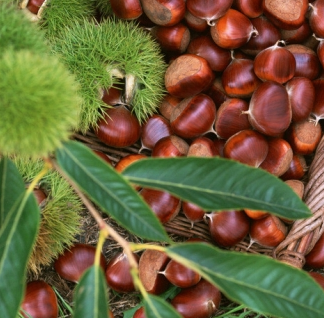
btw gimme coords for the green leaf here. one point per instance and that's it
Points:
(18, 232)
(218, 184)
(90, 296)
(156, 307)
(109, 190)
(256, 281)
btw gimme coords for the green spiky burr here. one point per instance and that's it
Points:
(102, 54)
(60, 214)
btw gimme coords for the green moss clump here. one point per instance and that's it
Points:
(60, 216)
(94, 52)
(39, 103)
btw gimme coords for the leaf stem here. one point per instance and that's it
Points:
(103, 226)
(39, 176)
(139, 246)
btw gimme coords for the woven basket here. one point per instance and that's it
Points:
(302, 236)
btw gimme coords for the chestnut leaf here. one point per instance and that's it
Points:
(256, 281)
(109, 190)
(90, 297)
(156, 307)
(218, 184)
(20, 218)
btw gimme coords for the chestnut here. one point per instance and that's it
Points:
(127, 9)
(303, 137)
(188, 75)
(202, 147)
(154, 129)
(298, 186)
(239, 79)
(279, 157)
(173, 38)
(208, 10)
(301, 93)
(199, 301)
(268, 35)
(319, 278)
(118, 275)
(170, 146)
(230, 118)
(194, 23)
(316, 17)
(40, 301)
(268, 231)
(127, 160)
(118, 127)
(72, 263)
(228, 228)
(288, 15)
(34, 5)
(315, 258)
(140, 313)
(297, 168)
(180, 275)
(152, 262)
(216, 92)
(238, 147)
(232, 30)
(192, 211)
(165, 206)
(275, 63)
(40, 196)
(250, 8)
(269, 109)
(167, 104)
(255, 214)
(193, 116)
(204, 46)
(298, 35)
(113, 96)
(318, 107)
(163, 12)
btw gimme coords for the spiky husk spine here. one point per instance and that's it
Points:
(60, 216)
(93, 52)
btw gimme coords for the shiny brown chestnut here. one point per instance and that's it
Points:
(194, 23)
(173, 38)
(297, 36)
(193, 212)
(239, 79)
(140, 313)
(34, 5)
(74, 261)
(127, 160)
(118, 274)
(238, 147)
(318, 107)
(40, 196)
(232, 30)
(298, 186)
(163, 12)
(230, 118)
(113, 95)
(188, 75)
(126, 9)
(208, 10)
(150, 264)
(269, 109)
(275, 63)
(193, 116)
(199, 301)
(268, 231)
(250, 8)
(180, 275)
(315, 17)
(315, 258)
(267, 36)
(304, 136)
(204, 46)
(297, 168)
(301, 93)
(165, 206)
(320, 52)
(219, 144)
(216, 92)
(154, 129)
(307, 62)
(167, 104)
(319, 278)
(279, 157)
(170, 146)
(255, 214)
(288, 15)
(40, 301)
(118, 127)
(227, 228)
(202, 147)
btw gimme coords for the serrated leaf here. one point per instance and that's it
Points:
(90, 295)
(109, 190)
(18, 232)
(218, 184)
(256, 281)
(156, 307)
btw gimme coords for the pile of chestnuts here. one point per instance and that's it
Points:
(245, 82)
